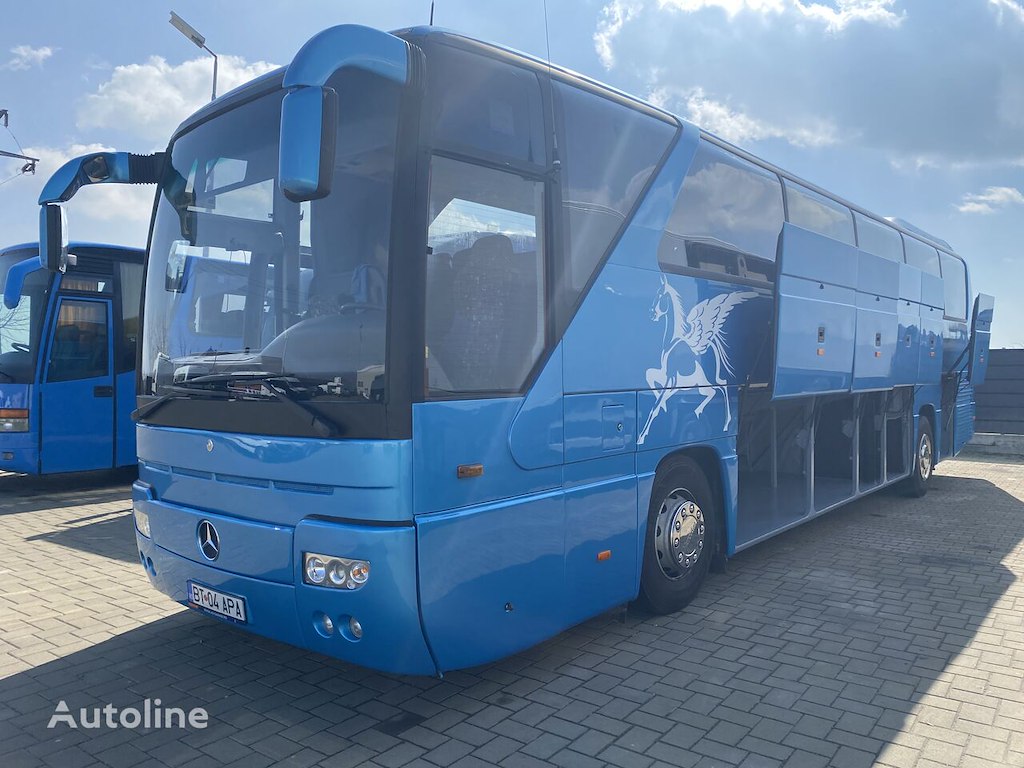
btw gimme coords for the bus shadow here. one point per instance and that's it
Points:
(108, 534)
(28, 493)
(838, 635)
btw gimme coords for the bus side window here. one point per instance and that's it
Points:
(485, 286)
(79, 347)
(130, 276)
(878, 238)
(610, 152)
(818, 213)
(726, 220)
(922, 256)
(954, 280)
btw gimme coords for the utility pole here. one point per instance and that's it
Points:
(30, 164)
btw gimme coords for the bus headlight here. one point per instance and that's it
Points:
(13, 420)
(141, 520)
(335, 572)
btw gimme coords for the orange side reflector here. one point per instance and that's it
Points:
(13, 413)
(469, 470)
(878, 354)
(821, 352)
(605, 555)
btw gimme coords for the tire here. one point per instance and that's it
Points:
(923, 460)
(674, 568)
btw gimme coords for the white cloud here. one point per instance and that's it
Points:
(991, 200)
(845, 12)
(613, 17)
(737, 126)
(1010, 8)
(151, 99)
(835, 17)
(26, 57)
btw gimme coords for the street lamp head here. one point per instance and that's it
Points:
(187, 30)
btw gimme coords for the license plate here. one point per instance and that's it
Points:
(231, 607)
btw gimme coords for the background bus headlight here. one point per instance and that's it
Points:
(141, 520)
(13, 420)
(334, 572)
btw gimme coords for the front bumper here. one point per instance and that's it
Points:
(23, 449)
(279, 605)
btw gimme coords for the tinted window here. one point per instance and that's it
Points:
(488, 106)
(79, 346)
(485, 278)
(130, 276)
(610, 152)
(954, 280)
(878, 238)
(727, 218)
(921, 256)
(818, 213)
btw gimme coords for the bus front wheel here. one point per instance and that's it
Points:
(681, 538)
(923, 460)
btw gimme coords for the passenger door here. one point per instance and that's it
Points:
(77, 393)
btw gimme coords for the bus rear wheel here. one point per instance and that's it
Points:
(681, 538)
(923, 460)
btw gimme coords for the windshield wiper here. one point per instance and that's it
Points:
(322, 425)
(178, 392)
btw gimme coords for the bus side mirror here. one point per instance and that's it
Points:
(309, 127)
(309, 110)
(53, 239)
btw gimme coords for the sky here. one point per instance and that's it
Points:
(909, 108)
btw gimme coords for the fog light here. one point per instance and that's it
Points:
(355, 628)
(336, 572)
(316, 569)
(141, 520)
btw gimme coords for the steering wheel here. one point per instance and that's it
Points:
(17, 346)
(356, 306)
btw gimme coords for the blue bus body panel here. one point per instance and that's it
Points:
(77, 431)
(816, 315)
(981, 334)
(278, 480)
(124, 427)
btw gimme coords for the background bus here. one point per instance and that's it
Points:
(67, 359)
(612, 351)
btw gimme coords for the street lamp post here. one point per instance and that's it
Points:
(193, 34)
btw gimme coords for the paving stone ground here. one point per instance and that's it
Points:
(890, 632)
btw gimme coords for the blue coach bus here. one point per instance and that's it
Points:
(531, 349)
(67, 359)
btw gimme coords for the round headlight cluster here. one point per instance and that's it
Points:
(336, 572)
(316, 570)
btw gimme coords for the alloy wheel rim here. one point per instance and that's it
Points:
(679, 534)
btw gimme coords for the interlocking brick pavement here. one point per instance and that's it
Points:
(890, 632)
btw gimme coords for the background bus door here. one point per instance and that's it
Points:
(77, 393)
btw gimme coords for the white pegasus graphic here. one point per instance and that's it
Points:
(687, 338)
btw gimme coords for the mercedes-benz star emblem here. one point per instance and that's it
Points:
(208, 540)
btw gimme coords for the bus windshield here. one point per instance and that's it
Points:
(241, 280)
(21, 327)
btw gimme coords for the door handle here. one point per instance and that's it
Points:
(103, 391)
